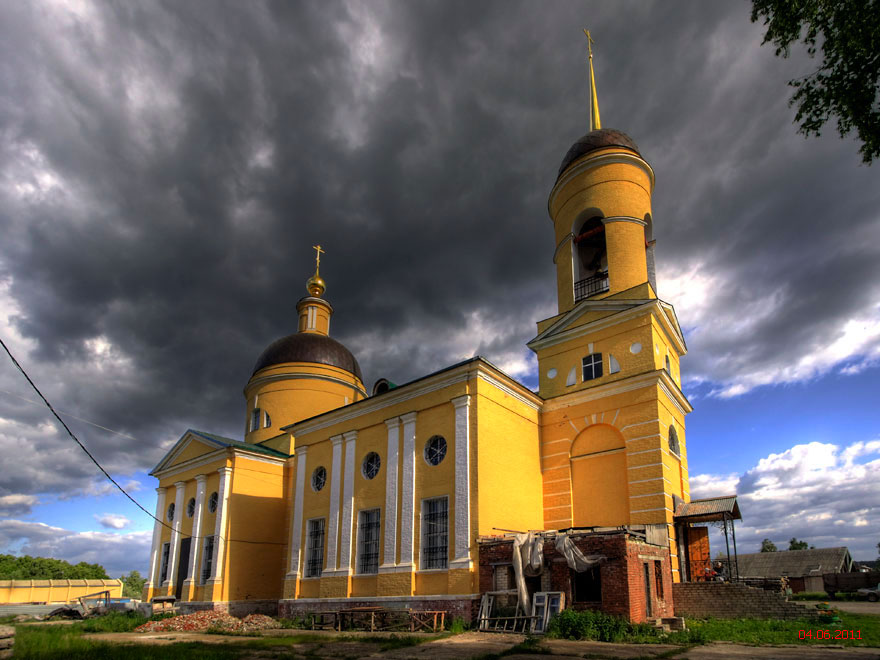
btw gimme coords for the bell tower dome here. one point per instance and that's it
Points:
(600, 207)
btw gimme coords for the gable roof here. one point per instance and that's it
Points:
(213, 441)
(795, 563)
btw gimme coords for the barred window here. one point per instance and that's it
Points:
(315, 548)
(166, 550)
(435, 450)
(435, 532)
(191, 507)
(255, 419)
(592, 366)
(212, 502)
(171, 512)
(208, 559)
(368, 541)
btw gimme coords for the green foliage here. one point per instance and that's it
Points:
(457, 626)
(44, 568)
(110, 622)
(794, 544)
(158, 616)
(768, 546)
(847, 83)
(587, 624)
(132, 585)
(776, 631)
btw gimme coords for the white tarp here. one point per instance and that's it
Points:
(576, 559)
(528, 561)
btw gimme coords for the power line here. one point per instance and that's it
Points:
(100, 467)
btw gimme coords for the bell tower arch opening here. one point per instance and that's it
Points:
(589, 256)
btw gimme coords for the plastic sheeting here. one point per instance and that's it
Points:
(528, 561)
(577, 560)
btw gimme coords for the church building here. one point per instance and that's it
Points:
(338, 494)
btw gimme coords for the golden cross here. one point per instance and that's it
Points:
(318, 252)
(590, 42)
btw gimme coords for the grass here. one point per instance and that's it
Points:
(774, 631)
(821, 595)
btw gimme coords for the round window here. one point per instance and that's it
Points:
(191, 507)
(435, 450)
(372, 462)
(319, 478)
(212, 502)
(171, 512)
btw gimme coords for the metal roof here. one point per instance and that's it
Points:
(708, 509)
(795, 563)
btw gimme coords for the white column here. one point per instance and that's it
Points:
(333, 522)
(196, 543)
(296, 524)
(390, 513)
(347, 502)
(462, 483)
(175, 534)
(408, 489)
(220, 526)
(156, 552)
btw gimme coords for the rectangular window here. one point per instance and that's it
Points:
(592, 366)
(255, 419)
(315, 547)
(163, 573)
(368, 541)
(586, 586)
(267, 421)
(207, 559)
(435, 532)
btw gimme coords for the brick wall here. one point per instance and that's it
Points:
(622, 575)
(726, 600)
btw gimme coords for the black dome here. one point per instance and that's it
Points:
(308, 347)
(598, 139)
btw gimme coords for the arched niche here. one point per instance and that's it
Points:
(599, 485)
(649, 251)
(589, 254)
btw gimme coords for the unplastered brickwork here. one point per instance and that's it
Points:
(463, 608)
(730, 601)
(622, 574)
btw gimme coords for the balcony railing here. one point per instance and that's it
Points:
(590, 286)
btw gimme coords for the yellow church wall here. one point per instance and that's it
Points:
(54, 591)
(627, 267)
(254, 545)
(369, 493)
(508, 465)
(193, 450)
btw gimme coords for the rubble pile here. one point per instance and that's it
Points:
(208, 619)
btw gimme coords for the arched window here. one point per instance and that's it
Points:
(590, 267)
(668, 366)
(673, 441)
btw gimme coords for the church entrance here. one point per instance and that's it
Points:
(182, 566)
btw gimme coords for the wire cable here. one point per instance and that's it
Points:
(101, 468)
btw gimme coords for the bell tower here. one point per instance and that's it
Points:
(613, 450)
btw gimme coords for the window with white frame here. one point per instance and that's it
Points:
(267, 421)
(315, 547)
(592, 366)
(435, 532)
(207, 559)
(368, 541)
(163, 572)
(256, 414)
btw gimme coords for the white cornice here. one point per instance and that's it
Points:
(603, 391)
(597, 161)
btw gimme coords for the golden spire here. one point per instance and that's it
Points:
(595, 121)
(315, 285)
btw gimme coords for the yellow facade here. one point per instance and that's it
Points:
(55, 591)
(337, 495)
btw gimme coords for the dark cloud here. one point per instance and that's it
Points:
(167, 167)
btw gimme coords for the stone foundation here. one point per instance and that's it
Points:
(456, 607)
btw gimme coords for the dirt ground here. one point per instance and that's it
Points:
(475, 644)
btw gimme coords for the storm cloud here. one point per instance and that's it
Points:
(166, 168)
